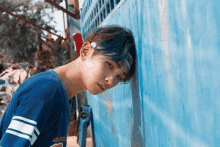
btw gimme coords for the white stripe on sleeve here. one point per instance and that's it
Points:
(22, 127)
(34, 138)
(38, 132)
(25, 119)
(19, 134)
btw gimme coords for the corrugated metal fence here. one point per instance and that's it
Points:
(174, 98)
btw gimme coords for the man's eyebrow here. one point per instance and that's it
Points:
(124, 74)
(119, 66)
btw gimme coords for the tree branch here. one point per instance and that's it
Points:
(4, 10)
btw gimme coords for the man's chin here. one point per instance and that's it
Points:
(94, 92)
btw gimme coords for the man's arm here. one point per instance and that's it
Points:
(29, 119)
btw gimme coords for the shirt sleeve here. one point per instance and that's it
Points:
(34, 109)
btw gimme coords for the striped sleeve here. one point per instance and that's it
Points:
(32, 114)
(28, 122)
(23, 128)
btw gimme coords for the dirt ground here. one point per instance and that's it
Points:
(72, 142)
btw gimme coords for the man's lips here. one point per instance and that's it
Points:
(101, 87)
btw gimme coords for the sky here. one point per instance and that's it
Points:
(58, 17)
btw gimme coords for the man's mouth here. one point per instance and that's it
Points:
(101, 87)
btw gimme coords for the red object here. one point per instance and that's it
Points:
(77, 37)
(57, 145)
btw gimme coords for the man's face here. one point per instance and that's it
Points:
(100, 74)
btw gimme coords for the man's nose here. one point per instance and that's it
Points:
(111, 81)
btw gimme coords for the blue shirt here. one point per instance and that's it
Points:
(38, 114)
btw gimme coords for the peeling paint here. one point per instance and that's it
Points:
(110, 106)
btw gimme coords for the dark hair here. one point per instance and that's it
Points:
(117, 44)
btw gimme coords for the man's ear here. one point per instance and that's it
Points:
(86, 50)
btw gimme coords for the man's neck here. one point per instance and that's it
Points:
(70, 75)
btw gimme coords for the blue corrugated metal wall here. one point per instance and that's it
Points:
(174, 99)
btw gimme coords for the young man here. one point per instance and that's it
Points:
(39, 112)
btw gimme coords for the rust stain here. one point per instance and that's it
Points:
(162, 4)
(105, 98)
(110, 106)
(107, 102)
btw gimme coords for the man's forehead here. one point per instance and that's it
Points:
(121, 64)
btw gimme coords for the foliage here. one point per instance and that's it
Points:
(60, 52)
(18, 38)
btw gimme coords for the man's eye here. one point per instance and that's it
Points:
(110, 65)
(119, 78)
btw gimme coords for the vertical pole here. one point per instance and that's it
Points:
(76, 6)
(39, 41)
(64, 24)
(37, 53)
(68, 33)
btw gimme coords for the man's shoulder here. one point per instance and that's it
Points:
(41, 80)
(48, 76)
(43, 84)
